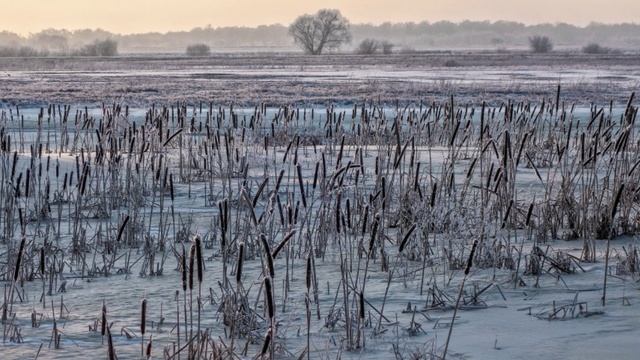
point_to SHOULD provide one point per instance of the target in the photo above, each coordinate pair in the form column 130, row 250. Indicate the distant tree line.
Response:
column 404, row 36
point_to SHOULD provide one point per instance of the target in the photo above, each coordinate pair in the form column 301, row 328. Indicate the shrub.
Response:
column 198, row 50
column 367, row 47
column 540, row 44
column 105, row 47
column 387, row 47
column 595, row 48
column 372, row 46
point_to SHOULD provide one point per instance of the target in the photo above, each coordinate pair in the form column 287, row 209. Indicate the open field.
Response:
column 256, row 207
column 293, row 78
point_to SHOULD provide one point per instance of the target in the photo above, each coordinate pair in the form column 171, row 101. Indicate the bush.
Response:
column 595, row 48
column 540, row 44
column 106, row 47
column 198, row 50
column 367, row 47
column 371, row 46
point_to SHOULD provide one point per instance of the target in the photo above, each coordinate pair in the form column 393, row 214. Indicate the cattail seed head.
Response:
column 239, row 263
column 143, row 317
column 199, row 258
column 103, row 326
column 268, row 292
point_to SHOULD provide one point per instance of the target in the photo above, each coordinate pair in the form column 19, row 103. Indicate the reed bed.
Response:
column 256, row 222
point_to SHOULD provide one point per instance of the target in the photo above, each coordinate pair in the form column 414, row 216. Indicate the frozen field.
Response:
column 292, row 78
column 371, row 215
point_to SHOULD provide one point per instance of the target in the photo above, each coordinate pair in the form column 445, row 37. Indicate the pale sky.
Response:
column 132, row 16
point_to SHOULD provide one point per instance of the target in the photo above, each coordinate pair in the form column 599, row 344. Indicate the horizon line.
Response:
column 210, row 26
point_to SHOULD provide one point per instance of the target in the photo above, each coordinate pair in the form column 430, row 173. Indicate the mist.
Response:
column 407, row 36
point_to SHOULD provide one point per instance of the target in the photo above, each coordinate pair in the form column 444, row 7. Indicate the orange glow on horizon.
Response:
column 134, row 16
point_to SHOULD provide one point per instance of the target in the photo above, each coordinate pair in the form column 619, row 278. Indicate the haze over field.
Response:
column 135, row 16
column 162, row 26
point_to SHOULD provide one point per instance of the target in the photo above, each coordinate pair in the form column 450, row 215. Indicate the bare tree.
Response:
column 326, row 30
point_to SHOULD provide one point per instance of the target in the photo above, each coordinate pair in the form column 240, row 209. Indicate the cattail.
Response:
column 315, row 175
column 148, row 352
column 614, row 209
column 19, row 260
column 171, row 187
column 26, row 184
column 633, row 168
column 338, row 217
column 361, row 309
column 171, row 137
column 406, row 237
column 15, row 163
column 324, row 166
column 470, row 260
column 223, row 225
column 121, row 230
column 308, row 278
column 283, row 243
column 199, row 259
column 301, row 183
column 522, row 144
column 239, row 264
column 416, row 184
column 259, row 192
column 339, row 159
column 249, row 202
column 271, row 307
column 400, row 156
column 111, row 352
column 473, row 164
column 433, row 194
column 558, row 99
column 84, row 180
column 374, row 232
column 506, row 215
column 279, row 181
column 184, row 269
column 192, row 259
column 284, row 159
column 455, row 132
column 268, row 256
column 103, row 327
column 266, row 343
column 42, row 261
column 143, row 317
column 529, row 213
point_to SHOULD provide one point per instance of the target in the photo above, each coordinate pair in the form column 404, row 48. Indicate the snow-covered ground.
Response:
column 294, row 78
column 508, row 319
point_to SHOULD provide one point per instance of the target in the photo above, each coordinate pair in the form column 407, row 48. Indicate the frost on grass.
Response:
column 435, row 230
